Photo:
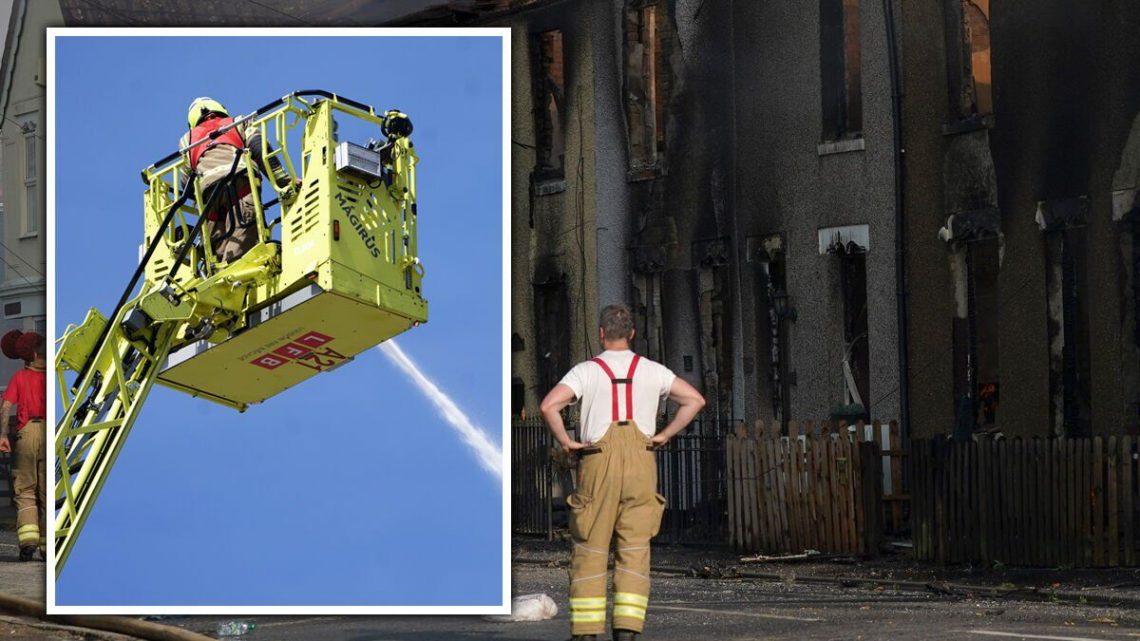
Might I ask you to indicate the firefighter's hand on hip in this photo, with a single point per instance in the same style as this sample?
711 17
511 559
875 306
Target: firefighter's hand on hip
5 446
569 447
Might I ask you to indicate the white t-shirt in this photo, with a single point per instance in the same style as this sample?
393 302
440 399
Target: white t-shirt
592 386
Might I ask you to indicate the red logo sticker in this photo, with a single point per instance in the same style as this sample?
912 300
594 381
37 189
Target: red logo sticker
314 339
303 351
269 361
292 350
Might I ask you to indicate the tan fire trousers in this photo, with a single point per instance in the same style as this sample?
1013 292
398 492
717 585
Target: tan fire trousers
616 501
243 236
31 484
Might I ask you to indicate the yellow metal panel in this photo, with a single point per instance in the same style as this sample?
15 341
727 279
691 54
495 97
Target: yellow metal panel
78 342
316 335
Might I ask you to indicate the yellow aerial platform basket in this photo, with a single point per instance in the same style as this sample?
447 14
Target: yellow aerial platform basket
335 273
349 276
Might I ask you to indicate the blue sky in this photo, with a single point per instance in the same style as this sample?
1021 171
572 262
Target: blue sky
348 489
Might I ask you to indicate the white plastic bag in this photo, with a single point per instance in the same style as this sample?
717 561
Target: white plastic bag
529 607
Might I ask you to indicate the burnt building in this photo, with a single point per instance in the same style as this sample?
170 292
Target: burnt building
727 169
837 208
832 208
1020 129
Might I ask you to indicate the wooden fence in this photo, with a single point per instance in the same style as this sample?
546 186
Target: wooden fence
808 490
1059 502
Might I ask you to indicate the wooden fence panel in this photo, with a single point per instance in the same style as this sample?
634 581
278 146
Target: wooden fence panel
1038 502
822 492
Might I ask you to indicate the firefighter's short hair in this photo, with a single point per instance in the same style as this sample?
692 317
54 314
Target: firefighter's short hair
616 322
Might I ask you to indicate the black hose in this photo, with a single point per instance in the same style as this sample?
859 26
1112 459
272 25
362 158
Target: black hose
134 279
202 215
146 259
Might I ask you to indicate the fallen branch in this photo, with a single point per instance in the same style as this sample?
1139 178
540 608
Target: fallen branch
763 558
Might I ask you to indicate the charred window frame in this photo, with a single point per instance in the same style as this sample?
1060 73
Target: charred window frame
549 101
840 61
1135 266
552 331
856 343
976 332
1064 223
646 82
773 284
649 317
1068 304
968 58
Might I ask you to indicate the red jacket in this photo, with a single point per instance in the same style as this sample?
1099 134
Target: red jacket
26 391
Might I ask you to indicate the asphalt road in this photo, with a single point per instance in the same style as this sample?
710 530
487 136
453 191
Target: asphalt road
16 578
689 609
682 608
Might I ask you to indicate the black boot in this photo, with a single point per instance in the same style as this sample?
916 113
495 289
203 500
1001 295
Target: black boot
584 637
27 552
625 635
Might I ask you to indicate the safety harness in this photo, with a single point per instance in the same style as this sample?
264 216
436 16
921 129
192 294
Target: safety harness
232 191
207 129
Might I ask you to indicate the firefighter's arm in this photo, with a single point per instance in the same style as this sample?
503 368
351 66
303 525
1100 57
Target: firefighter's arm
6 407
551 409
689 402
182 142
272 169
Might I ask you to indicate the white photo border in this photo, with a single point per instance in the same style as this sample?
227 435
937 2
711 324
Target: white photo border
504 33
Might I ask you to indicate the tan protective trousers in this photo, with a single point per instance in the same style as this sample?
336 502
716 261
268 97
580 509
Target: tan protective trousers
31 485
616 499
228 248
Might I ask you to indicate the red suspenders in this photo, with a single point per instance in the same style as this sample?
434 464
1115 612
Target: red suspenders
615 381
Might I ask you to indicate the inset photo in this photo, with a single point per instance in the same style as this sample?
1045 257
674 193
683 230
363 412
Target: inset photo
276 320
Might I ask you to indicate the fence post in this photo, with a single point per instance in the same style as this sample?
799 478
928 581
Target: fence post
871 470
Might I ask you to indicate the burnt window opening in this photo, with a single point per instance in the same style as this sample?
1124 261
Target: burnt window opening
552 333
840 69
975 334
518 396
1136 282
968 58
549 101
855 366
714 308
773 325
1067 295
646 81
649 338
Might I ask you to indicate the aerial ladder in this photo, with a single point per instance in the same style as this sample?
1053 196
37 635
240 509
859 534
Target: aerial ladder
333 274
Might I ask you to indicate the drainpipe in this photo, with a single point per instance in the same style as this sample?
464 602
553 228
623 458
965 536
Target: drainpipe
900 237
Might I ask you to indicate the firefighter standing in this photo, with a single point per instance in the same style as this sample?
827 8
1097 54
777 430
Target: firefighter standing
617 485
232 229
26 390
